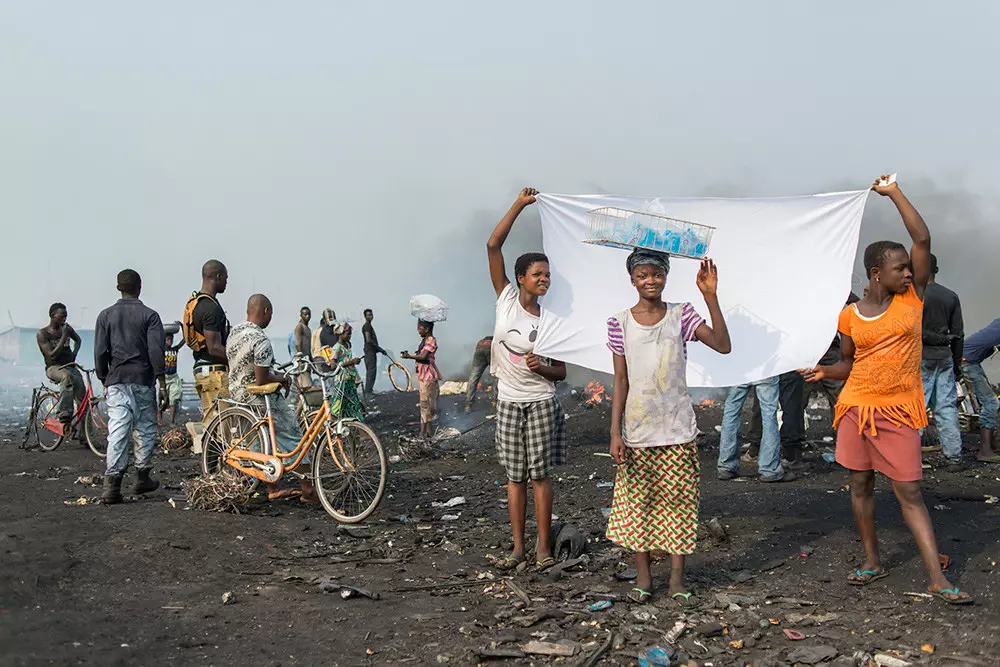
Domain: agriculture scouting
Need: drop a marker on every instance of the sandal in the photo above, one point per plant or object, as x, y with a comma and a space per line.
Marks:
639, 596
544, 564
995, 458
943, 593
857, 578
508, 563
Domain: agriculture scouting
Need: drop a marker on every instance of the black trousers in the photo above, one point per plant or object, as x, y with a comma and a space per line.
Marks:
371, 371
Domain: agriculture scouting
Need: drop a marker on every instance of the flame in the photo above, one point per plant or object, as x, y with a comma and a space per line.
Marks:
708, 401
595, 393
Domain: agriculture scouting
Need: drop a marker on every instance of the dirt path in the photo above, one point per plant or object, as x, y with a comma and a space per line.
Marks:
143, 583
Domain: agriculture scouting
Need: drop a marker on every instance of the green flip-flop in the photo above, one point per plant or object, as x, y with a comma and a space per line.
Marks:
544, 564
941, 595
873, 575
639, 596
508, 563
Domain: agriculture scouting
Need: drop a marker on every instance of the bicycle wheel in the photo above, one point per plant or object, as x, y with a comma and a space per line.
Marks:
352, 490
48, 428
397, 379
95, 425
229, 425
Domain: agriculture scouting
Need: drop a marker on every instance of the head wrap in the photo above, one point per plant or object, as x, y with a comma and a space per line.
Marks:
340, 327
328, 316
642, 256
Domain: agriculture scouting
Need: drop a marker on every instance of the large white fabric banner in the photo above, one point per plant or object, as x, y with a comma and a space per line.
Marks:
785, 268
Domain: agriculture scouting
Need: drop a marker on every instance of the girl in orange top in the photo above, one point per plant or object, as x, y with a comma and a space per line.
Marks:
881, 408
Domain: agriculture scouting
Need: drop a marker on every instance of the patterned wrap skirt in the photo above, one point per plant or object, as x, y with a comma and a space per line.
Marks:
656, 500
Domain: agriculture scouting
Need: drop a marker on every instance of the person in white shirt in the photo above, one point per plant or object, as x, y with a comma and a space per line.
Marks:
530, 422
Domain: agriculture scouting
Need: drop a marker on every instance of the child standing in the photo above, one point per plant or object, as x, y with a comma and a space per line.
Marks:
174, 385
881, 406
653, 428
427, 377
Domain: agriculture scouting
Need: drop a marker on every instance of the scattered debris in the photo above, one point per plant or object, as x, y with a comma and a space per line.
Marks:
794, 635
656, 656
600, 606
886, 660
347, 592
812, 655
228, 598
675, 632
535, 647
221, 492
454, 502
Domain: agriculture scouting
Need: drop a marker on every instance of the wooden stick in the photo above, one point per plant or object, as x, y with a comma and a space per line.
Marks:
452, 584
518, 591
601, 650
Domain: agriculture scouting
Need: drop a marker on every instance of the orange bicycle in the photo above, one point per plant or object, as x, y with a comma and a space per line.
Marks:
349, 466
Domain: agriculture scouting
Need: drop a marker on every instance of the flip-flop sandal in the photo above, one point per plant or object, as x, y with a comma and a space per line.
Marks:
989, 459
508, 563
941, 595
309, 500
281, 494
544, 564
873, 575
640, 596
684, 599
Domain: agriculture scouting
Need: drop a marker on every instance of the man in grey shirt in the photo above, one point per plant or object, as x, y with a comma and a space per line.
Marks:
128, 356
943, 335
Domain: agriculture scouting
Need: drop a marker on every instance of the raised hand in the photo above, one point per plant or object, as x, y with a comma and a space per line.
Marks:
885, 190
708, 277
527, 197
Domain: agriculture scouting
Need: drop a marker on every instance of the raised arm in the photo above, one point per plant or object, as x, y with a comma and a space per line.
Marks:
920, 252
494, 246
716, 335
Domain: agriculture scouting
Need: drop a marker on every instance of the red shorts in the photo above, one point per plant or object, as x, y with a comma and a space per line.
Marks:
894, 452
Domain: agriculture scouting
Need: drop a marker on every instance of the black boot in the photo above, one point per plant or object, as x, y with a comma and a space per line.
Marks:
145, 484
112, 490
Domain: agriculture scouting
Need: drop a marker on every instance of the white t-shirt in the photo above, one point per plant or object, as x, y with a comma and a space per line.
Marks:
513, 337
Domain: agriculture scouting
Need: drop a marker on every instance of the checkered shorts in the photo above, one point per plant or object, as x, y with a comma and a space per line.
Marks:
531, 438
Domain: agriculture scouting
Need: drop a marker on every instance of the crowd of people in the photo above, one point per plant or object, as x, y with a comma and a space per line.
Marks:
897, 354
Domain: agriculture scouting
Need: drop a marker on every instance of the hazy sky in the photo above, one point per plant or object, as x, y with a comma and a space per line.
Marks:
354, 154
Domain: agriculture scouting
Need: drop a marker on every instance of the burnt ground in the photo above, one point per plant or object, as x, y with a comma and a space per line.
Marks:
143, 582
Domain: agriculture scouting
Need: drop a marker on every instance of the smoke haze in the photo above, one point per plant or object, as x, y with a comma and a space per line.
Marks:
354, 155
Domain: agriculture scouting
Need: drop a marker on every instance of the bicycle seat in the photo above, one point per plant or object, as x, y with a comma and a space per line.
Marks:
261, 389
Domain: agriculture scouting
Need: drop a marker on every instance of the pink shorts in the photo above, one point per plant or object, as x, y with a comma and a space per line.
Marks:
894, 452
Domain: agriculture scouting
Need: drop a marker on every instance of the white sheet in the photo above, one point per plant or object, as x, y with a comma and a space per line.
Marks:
785, 268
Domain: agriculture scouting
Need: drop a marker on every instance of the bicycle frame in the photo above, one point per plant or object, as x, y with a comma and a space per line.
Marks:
270, 467
57, 426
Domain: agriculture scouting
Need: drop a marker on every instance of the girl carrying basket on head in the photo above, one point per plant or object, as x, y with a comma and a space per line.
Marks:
653, 428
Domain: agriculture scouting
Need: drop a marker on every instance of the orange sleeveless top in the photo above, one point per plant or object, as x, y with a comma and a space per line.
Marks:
886, 373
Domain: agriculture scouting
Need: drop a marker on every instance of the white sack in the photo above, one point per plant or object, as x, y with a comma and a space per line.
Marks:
428, 308
785, 267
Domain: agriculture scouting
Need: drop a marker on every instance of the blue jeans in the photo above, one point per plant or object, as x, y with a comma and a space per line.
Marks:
131, 407
988, 403
941, 397
769, 459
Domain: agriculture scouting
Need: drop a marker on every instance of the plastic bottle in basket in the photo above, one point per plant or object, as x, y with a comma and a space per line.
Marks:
688, 242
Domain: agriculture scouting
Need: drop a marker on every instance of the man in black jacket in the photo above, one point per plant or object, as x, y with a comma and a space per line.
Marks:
944, 337
128, 357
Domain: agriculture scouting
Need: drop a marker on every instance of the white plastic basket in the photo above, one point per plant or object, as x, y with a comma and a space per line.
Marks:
622, 228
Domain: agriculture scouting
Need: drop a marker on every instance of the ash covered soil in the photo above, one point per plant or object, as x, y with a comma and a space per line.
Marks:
143, 582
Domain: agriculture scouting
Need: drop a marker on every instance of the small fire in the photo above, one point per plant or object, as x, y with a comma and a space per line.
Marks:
595, 393
708, 401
